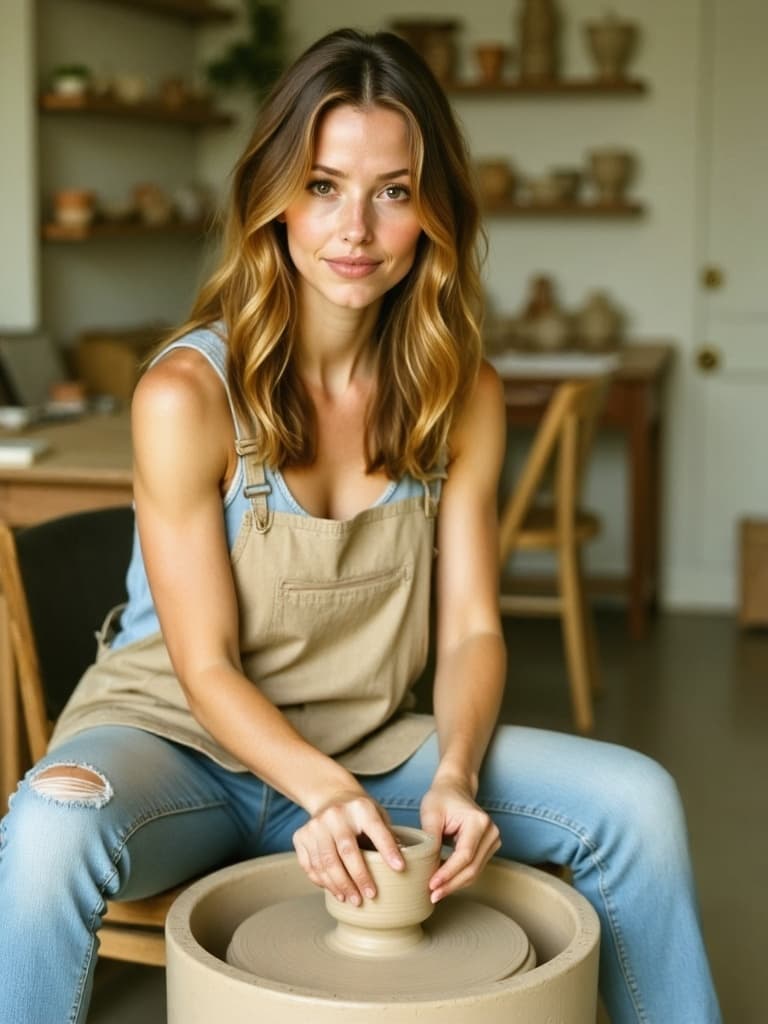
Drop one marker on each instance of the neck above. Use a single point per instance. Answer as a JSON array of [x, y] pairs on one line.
[[333, 353]]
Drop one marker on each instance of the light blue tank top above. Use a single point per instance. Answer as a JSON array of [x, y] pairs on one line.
[[139, 618]]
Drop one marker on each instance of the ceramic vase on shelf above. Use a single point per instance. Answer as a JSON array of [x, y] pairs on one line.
[[611, 42], [490, 59], [435, 40], [543, 326], [598, 324], [495, 180], [610, 171], [74, 207], [538, 28]]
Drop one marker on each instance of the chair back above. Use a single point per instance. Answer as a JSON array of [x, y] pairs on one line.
[[563, 444], [59, 579]]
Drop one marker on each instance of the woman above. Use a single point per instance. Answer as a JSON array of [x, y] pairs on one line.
[[293, 445]]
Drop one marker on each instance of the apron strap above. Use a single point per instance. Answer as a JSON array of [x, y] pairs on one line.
[[256, 486], [433, 485]]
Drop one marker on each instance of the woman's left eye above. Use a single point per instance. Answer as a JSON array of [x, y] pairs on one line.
[[397, 192], [320, 188]]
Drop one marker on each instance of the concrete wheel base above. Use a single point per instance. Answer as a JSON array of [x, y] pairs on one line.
[[204, 989]]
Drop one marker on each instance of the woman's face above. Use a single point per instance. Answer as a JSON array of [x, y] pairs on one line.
[[352, 232]]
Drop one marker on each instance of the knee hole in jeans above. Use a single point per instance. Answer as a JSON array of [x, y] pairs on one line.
[[78, 785]]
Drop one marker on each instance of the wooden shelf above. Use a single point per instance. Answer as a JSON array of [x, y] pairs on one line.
[[556, 87], [53, 232], [192, 114], [186, 10], [601, 210]]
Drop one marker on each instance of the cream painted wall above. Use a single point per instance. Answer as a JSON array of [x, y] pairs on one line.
[[114, 283], [649, 265], [19, 277]]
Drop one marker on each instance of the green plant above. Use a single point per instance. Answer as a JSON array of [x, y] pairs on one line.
[[71, 71], [255, 62]]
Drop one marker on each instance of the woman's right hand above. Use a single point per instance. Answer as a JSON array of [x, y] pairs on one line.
[[328, 849]]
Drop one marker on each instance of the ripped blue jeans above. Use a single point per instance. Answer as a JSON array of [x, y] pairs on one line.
[[143, 814]]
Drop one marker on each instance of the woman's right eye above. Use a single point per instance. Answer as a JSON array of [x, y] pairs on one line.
[[320, 188]]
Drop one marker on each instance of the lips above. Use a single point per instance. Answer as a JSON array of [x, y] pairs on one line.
[[353, 267]]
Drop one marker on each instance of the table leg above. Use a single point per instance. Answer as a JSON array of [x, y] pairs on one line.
[[642, 526]]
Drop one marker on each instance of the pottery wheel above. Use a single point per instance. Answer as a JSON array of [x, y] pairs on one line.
[[465, 944]]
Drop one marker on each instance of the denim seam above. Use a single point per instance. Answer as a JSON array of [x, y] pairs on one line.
[[583, 836], [265, 804], [166, 811], [77, 1005]]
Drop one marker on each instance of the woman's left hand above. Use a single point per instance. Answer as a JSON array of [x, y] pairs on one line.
[[449, 811]]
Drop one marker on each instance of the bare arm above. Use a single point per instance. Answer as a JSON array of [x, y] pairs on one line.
[[183, 447], [471, 657]]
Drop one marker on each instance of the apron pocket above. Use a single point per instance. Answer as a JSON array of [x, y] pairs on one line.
[[308, 608]]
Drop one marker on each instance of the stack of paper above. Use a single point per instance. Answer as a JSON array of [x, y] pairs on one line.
[[21, 451]]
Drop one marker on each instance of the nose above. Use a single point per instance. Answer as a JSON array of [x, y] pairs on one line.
[[356, 221]]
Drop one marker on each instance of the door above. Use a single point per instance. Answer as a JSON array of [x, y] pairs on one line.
[[732, 353]]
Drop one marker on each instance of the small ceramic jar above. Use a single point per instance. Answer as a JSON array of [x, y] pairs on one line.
[[490, 59], [74, 207]]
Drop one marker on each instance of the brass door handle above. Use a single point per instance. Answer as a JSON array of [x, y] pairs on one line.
[[708, 359], [713, 277]]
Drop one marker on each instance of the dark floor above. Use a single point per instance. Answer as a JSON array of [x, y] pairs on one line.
[[694, 696]]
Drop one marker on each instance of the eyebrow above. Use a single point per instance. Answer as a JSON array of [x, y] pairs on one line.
[[400, 173]]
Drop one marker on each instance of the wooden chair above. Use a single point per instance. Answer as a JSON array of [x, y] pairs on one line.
[[528, 523], [59, 579]]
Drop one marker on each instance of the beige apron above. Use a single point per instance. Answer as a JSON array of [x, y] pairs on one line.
[[333, 630]]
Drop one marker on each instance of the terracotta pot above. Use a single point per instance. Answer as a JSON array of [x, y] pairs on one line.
[[490, 59], [74, 207], [610, 43]]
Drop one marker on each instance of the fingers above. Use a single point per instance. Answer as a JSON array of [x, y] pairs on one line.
[[476, 841], [328, 850]]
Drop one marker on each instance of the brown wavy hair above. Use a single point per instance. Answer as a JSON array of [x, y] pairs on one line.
[[427, 336]]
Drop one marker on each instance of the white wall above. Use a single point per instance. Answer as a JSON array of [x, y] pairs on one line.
[[115, 282], [648, 265], [19, 277]]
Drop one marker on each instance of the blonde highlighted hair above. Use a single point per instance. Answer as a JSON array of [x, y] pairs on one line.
[[427, 336]]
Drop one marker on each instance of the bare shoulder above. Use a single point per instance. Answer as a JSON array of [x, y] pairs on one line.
[[180, 415], [481, 426], [181, 382]]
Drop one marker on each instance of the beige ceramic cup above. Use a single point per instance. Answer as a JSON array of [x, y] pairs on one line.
[[391, 921]]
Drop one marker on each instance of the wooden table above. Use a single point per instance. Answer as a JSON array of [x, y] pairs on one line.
[[633, 406], [88, 466]]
